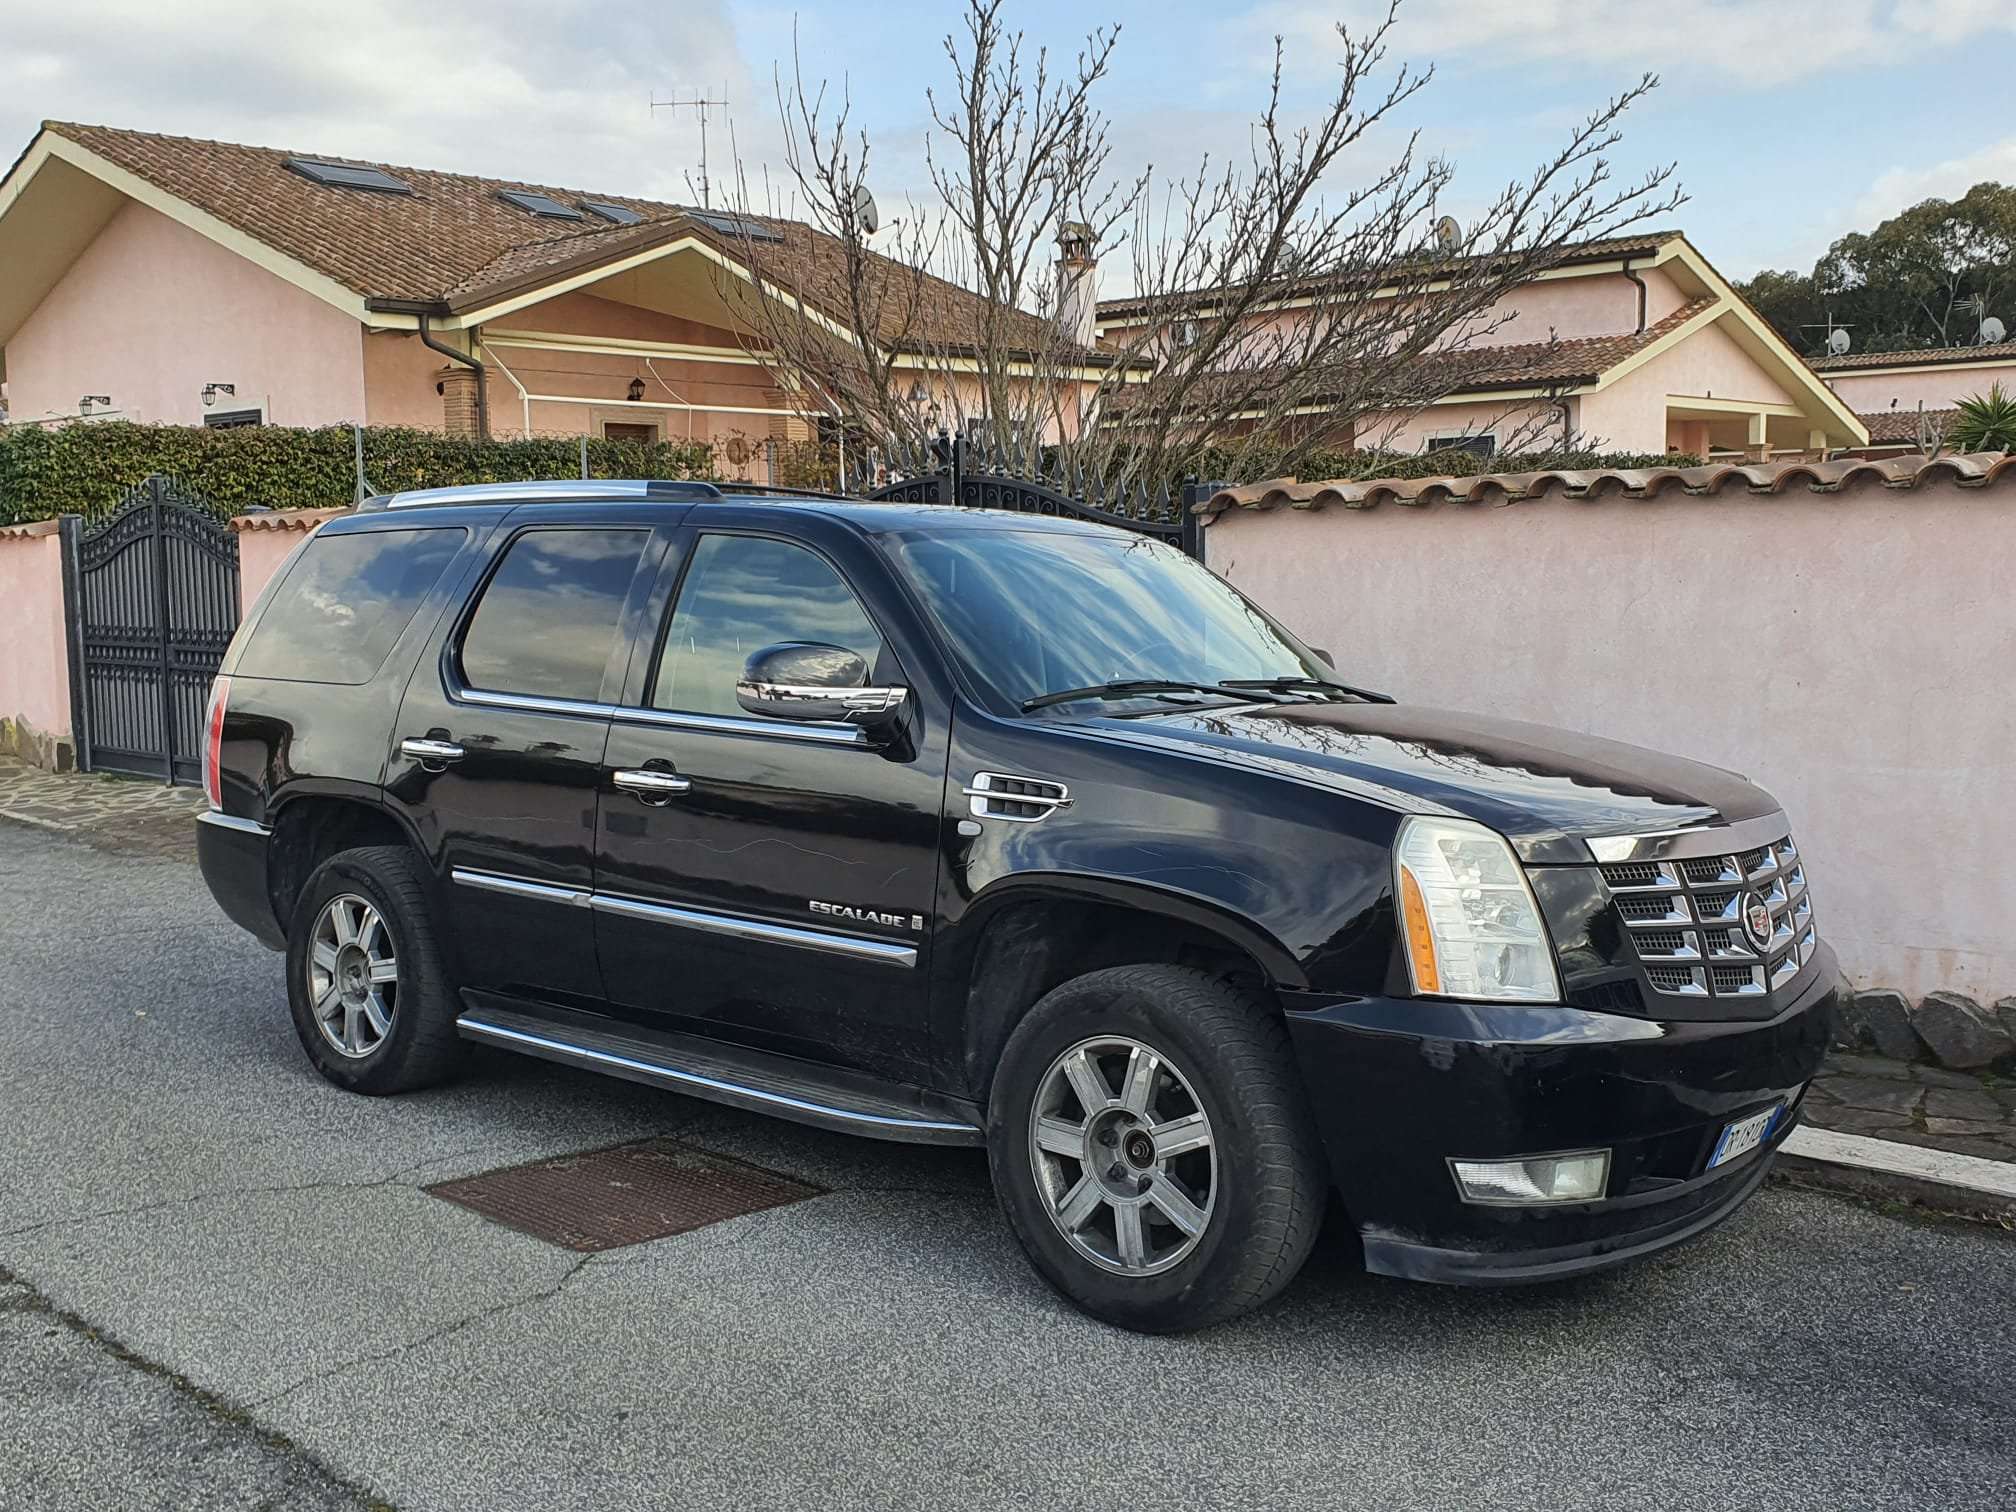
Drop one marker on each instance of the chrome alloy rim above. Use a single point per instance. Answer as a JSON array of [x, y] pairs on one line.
[[1123, 1155], [353, 976]]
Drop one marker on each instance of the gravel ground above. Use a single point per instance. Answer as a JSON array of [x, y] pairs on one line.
[[298, 1320]]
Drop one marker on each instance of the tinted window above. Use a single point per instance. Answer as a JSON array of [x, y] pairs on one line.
[[1033, 612], [549, 615], [345, 602], [743, 593]]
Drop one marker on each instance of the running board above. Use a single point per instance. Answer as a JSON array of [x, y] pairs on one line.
[[826, 1097]]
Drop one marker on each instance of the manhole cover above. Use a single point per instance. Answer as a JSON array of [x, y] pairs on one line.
[[606, 1199]]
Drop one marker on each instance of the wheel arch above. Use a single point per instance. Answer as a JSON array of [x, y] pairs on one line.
[[1031, 934], [310, 827]]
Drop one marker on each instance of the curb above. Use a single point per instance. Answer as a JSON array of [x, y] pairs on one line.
[[1964, 1185]]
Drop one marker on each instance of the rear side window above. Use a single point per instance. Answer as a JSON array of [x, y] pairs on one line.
[[549, 616], [345, 602]]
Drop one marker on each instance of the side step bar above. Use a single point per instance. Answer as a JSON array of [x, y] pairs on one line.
[[826, 1097]]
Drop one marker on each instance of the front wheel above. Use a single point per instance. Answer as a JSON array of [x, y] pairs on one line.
[[1151, 1150]]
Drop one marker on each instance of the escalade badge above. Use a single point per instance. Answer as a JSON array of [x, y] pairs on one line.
[[1757, 920], [866, 915]]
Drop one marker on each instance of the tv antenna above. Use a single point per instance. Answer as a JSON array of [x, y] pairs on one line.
[[1837, 340], [1992, 330], [1448, 233], [701, 105]]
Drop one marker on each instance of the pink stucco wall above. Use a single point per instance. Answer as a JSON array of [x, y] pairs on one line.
[[152, 311], [1630, 415], [1849, 652], [399, 379], [34, 662], [1935, 388], [1509, 420]]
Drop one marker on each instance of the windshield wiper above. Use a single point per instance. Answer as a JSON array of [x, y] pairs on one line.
[[1306, 684], [1140, 687]]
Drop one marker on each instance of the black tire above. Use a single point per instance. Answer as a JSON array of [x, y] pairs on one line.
[[1269, 1183], [420, 1046]]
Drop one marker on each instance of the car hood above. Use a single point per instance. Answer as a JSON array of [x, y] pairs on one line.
[[1546, 790]]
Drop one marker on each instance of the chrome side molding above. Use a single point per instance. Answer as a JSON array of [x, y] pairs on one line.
[[855, 947]]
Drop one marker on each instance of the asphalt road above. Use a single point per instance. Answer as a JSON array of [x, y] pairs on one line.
[[222, 1286]]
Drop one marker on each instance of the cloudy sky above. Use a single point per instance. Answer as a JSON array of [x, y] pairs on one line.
[[1791, 120]]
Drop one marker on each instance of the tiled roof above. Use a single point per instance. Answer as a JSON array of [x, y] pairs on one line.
[[2000, 351], [1645, 244], [1469, 369], [1975, 470], [453, 241], [1887, 427]]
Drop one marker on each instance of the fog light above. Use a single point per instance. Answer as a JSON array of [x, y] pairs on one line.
[[1538, 1178]]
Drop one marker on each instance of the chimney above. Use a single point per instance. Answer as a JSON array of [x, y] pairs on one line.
[[1077, 283]]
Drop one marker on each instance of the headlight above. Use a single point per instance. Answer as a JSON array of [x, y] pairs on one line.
[[1469, 920]]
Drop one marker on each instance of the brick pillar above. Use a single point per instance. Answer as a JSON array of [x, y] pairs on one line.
[[459, 415]]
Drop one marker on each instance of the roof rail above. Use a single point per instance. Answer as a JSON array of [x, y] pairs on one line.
[[557, 490]]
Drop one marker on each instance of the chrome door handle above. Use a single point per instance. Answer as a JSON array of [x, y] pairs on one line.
[[431, 754], [652, 786]]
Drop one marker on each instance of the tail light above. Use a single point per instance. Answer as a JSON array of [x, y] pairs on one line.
[[213, 742]]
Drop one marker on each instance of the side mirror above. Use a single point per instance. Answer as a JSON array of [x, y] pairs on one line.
[[808, 680], [1325, 657]]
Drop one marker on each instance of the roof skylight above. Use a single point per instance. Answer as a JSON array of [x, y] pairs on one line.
[[621, 215], [539, 204], [348, 176], [736, 226]]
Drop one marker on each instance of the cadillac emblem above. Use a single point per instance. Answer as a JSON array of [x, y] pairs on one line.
[[1757, 920]]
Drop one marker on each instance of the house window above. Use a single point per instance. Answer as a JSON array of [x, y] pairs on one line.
[[232, 419], [619, 430], [1477, 446]]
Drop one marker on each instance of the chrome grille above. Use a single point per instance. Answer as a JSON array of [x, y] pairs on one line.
[[1685, 919]]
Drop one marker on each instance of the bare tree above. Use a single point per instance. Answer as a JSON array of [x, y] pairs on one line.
[[1271, 310]]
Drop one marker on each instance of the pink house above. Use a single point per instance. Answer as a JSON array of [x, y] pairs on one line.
[[165, 279], [1630, 344], [1889, 390]]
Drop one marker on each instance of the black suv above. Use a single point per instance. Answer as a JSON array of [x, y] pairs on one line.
[[994, 829]]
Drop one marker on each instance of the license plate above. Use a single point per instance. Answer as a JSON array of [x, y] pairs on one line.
[[1744, 1135]]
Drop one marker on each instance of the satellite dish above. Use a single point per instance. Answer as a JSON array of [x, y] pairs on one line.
[[1992, 330], [866, 216], [1838, 341], [1448, 233]]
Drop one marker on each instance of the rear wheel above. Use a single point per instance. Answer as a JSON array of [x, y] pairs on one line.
[[1151, 1149], [371, 1002]]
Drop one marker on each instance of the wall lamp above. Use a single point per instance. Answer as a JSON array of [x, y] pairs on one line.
[[103, 401], [636, 389], [212, 390]]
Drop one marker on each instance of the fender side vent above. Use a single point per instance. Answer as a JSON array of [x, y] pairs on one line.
[[1021, 800]]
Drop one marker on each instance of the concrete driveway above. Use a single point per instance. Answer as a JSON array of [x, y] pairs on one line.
[[221, 1284]]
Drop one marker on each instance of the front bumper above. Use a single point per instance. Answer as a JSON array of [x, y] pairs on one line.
[[1400, 1087]]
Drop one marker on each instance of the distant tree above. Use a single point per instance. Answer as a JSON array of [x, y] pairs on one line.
[[1331, 210], [1923, 278], [1986, 422]]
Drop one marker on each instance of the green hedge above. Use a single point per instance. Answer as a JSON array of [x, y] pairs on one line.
[[87, 468]]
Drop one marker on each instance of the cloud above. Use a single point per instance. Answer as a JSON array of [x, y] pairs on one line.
[[1897, 189], [554, 91], [1753, 43]]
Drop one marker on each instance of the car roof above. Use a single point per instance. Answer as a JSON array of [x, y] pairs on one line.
[[871, 515]]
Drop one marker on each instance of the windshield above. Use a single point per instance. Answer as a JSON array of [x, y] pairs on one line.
[[1034, 612]]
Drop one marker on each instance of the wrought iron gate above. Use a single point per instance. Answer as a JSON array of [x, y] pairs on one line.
[[1163, 515], [153, 600]]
